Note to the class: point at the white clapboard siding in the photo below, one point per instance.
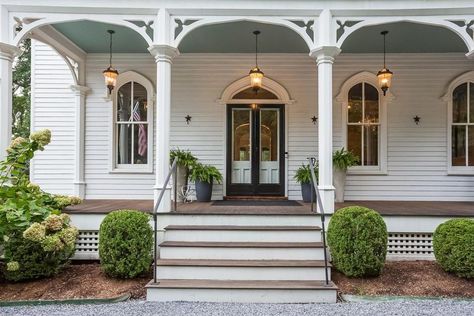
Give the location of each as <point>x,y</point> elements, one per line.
<point>53,108</point>
<point>416,154</point>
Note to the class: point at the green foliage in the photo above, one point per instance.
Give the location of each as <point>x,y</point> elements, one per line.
<point>42,250</point>
<point>357,239</point>
<point>125,243</point>
<point>185,157</point>
<point>22,91</point>
<point>303,174</point>
<point>343,159</point>
<point>453,243</point>
<point>205,173</point>
<point>21,202</point>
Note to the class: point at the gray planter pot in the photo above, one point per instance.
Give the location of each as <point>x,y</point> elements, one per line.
<point>339,179</point>
<point>203,191</point>
<point>306,190</point>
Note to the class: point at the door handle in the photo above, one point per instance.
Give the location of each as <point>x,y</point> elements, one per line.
<point>286,154</point>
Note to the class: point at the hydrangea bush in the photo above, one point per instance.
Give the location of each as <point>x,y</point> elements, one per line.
<point>37,239</point>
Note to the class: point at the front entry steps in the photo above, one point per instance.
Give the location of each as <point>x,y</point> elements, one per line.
<point>249,264</point>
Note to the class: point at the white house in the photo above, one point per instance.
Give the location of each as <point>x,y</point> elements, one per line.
<point>184,83</point>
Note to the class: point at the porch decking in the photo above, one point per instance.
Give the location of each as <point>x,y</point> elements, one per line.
<point>386,208</point>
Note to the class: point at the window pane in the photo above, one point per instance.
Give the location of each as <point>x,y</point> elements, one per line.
<point>241,150</point>
<point>460,104</point>
<point>354,106</point>
<point>269,151</point>
<point>471,101</point>
<point>354,140</point>
<point>124,147</point>
<point>470,139</point>
<point>458,145</point>
<point>124,95</point>
<point>140,144</point>
<point>371,145</point>
<point>139,102</point>
<point>249,93</point>
<point>371,104</point>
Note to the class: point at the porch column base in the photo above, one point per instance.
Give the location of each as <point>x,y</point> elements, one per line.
<point>327,198</point>
<point>80,189</point>
<point>165,205</point>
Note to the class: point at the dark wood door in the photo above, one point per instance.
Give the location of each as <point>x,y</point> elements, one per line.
<point>255,150</point>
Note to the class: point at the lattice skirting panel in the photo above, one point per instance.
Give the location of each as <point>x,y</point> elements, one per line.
<point>410,246</point>
<point>401,246</point>
<point>87,245</point>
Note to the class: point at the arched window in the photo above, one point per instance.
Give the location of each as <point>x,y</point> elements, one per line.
<point>364,120</point>
<point>363,123</point>
<point>462,126</point>
<point>133,124</point>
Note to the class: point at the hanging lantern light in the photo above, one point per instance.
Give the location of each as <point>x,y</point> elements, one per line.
<point>255,74</point>
<point>110,73</point>
<point>384,75</point>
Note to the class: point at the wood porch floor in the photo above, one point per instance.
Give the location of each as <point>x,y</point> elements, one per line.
<point>387,208</point>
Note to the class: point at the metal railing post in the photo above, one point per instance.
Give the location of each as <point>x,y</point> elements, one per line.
<point>174,171</point>
<point>314,181</point>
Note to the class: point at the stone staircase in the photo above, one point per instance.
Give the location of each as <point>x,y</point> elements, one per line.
<point>229,260</point>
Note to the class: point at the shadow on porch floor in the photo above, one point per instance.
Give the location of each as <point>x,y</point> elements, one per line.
<point>387,208</point>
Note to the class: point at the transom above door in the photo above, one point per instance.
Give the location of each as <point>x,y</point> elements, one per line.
<point>255,149</point>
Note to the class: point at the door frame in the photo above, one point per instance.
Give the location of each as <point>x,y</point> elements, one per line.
<point>255,158</point>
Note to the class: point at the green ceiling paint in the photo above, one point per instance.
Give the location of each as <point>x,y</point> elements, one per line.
<point>237,37</point>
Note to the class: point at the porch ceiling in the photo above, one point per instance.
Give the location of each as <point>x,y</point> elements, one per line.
<point>237,37</point>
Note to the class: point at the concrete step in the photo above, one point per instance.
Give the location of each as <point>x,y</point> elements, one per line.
<point>241,250</point>
<point>243,291</point>
<point>242,269</point>
<point>242,233</point>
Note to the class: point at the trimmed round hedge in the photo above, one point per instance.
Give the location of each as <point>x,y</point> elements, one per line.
<point>453,243</point>
<point>125,244</point>
<point>357,239</point>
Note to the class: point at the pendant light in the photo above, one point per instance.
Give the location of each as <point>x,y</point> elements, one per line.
<point>384,75</point>
<point>110,73</point>
<point>255,74</point>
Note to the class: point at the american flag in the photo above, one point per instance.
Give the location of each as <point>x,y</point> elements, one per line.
<point>142,138</point>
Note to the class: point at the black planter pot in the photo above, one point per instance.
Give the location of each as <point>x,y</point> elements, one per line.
<point>306,190</point>
<point>203,191</point>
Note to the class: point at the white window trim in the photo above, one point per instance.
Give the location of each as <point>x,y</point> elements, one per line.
<point>125,168</point>
<point>448,98</point>
<point>343,99</point>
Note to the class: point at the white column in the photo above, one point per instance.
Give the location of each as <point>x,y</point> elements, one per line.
<point>79,113</point>
<point>7,53</point>
<point>325,57</point>
<point>164,55</point>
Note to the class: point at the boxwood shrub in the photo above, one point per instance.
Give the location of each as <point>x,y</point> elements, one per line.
<point>125,244</point>
<point>357,239</point>
<point>453,243</point>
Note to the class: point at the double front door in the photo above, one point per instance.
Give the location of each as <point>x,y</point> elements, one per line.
<point>255,150</point>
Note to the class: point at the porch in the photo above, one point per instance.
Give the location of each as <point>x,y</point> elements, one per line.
<point>385,208</point>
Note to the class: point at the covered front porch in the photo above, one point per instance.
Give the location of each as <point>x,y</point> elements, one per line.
<point>188,102</point>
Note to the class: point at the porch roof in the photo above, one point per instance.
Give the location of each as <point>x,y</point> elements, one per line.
<point>385,208</point>
<point>237,37</point>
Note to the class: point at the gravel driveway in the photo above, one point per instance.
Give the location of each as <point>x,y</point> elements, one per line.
<point>444,307</point>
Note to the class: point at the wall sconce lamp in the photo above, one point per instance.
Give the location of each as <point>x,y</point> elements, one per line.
<point>314,119</point>
<point>188,119</point>
<point>416,119</point>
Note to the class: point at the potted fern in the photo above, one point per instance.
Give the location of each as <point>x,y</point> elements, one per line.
<point>303,177</point>
<point>342,159</point>
<point>185,162</point>
<point>203,177</point>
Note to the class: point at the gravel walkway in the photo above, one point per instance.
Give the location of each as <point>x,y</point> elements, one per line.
<point>399,308</point>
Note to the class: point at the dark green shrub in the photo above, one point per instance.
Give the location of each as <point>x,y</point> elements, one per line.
<point>357,239</point>
<point>453,243</point>
<point>125,243</point>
